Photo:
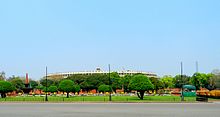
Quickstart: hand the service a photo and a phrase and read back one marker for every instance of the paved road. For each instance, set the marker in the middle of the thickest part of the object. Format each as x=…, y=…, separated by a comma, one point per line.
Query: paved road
x=109, y=110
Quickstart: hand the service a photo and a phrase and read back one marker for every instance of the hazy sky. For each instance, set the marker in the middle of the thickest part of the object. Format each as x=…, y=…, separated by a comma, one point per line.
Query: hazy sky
x=78, y=35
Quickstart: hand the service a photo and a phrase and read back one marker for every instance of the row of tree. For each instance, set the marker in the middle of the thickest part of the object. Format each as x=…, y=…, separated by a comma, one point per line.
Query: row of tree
x=199, y=80
x=100, y=82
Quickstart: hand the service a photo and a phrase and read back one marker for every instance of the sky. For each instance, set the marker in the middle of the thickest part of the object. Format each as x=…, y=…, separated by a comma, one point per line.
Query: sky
x=79, y=35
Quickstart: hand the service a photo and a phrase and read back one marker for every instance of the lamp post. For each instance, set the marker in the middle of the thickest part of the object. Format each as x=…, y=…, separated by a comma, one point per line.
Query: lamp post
x=110, y=92
x=46, y=98
x=181, y=76
x=197, y=67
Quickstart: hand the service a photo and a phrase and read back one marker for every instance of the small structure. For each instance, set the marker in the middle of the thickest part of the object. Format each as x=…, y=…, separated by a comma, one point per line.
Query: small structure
x=189, y=91
x=27, y=89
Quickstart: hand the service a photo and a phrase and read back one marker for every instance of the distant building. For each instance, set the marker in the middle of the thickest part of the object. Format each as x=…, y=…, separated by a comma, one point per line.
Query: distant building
x=99, y=71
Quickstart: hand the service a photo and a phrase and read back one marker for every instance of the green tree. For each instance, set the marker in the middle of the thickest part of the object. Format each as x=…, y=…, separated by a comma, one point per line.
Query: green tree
x=157, y=84
x=81, y=81
x=86, y=86
x=104, y=88
x=200, y=80
x=180, y=81
x=49, y=82
x=125, y=82
x=66, y=86
x=94, y=81
x=78, y=78
x=45, y=89
x=115, y=81
x=5, y=87
x=214, y=80
x=52, y=89
x=140, y=83
x=76, y=89
x=167, y=81
x=17, y=83
x=33, y=84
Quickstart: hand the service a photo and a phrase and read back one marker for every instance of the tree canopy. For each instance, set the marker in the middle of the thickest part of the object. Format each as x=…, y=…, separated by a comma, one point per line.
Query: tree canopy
x=33, y=84
x=49, y=82
x=167, y=81
x=17, y=83
x=116, y=82
x=66, y=86
x=140, y=83
x=199, y=80
x=5, y=87
x=179, y=80
x=104, y=88
x=52, y=89
x=125, y=82
x=215, y=79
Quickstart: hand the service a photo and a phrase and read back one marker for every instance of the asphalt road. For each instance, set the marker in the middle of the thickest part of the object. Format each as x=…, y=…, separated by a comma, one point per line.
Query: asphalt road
x=109, y=110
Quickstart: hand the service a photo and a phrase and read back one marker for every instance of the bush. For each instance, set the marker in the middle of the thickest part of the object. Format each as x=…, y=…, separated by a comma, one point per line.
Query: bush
x=104, y=88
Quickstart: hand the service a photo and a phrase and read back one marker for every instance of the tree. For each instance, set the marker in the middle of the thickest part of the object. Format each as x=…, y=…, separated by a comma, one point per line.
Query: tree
x=49, y=82
x=104, y=88
x=77, y=78
x=157, y=84
x=86, y=86
x=180, y=81
x=115, y=81
x=52, y=89
x=211, y=82
x=5, y=87
x=66, y=86
x=214, y=80
x=33, y=84
x=76, y=89
x=125, y=82
x=80, y=80
x=140, y=83
x=45, y=90
x=167, y=81
x=94, y=81
x=195, y=80
x=17, y=83
x=203, y=80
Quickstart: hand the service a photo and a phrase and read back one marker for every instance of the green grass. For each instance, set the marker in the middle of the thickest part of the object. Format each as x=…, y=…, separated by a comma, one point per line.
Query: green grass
x=99, y=99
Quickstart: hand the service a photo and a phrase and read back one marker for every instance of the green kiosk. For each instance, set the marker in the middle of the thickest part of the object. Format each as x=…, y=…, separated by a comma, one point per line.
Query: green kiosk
x=189, y=91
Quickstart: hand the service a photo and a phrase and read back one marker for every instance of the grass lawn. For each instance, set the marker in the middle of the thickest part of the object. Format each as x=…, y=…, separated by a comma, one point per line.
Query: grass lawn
x=100, y=99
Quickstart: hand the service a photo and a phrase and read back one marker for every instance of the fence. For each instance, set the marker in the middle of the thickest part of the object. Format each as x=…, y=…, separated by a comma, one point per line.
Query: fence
x=98, y=99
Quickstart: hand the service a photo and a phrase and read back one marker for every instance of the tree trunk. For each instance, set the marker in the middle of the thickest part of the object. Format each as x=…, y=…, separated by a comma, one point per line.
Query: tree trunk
x=141, y=95
x=138, y=95
x=114, y=90
x=3, y=95
x=67, y=94
x=87, y=90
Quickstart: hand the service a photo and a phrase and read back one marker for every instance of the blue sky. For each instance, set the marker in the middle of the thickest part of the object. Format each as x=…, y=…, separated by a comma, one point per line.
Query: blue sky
x=78, y=35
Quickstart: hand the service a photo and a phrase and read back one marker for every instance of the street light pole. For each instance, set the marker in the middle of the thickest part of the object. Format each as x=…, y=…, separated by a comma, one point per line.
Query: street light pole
x=46, y=98
x=197, y=67
x=110, y=92
x=181, y=76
